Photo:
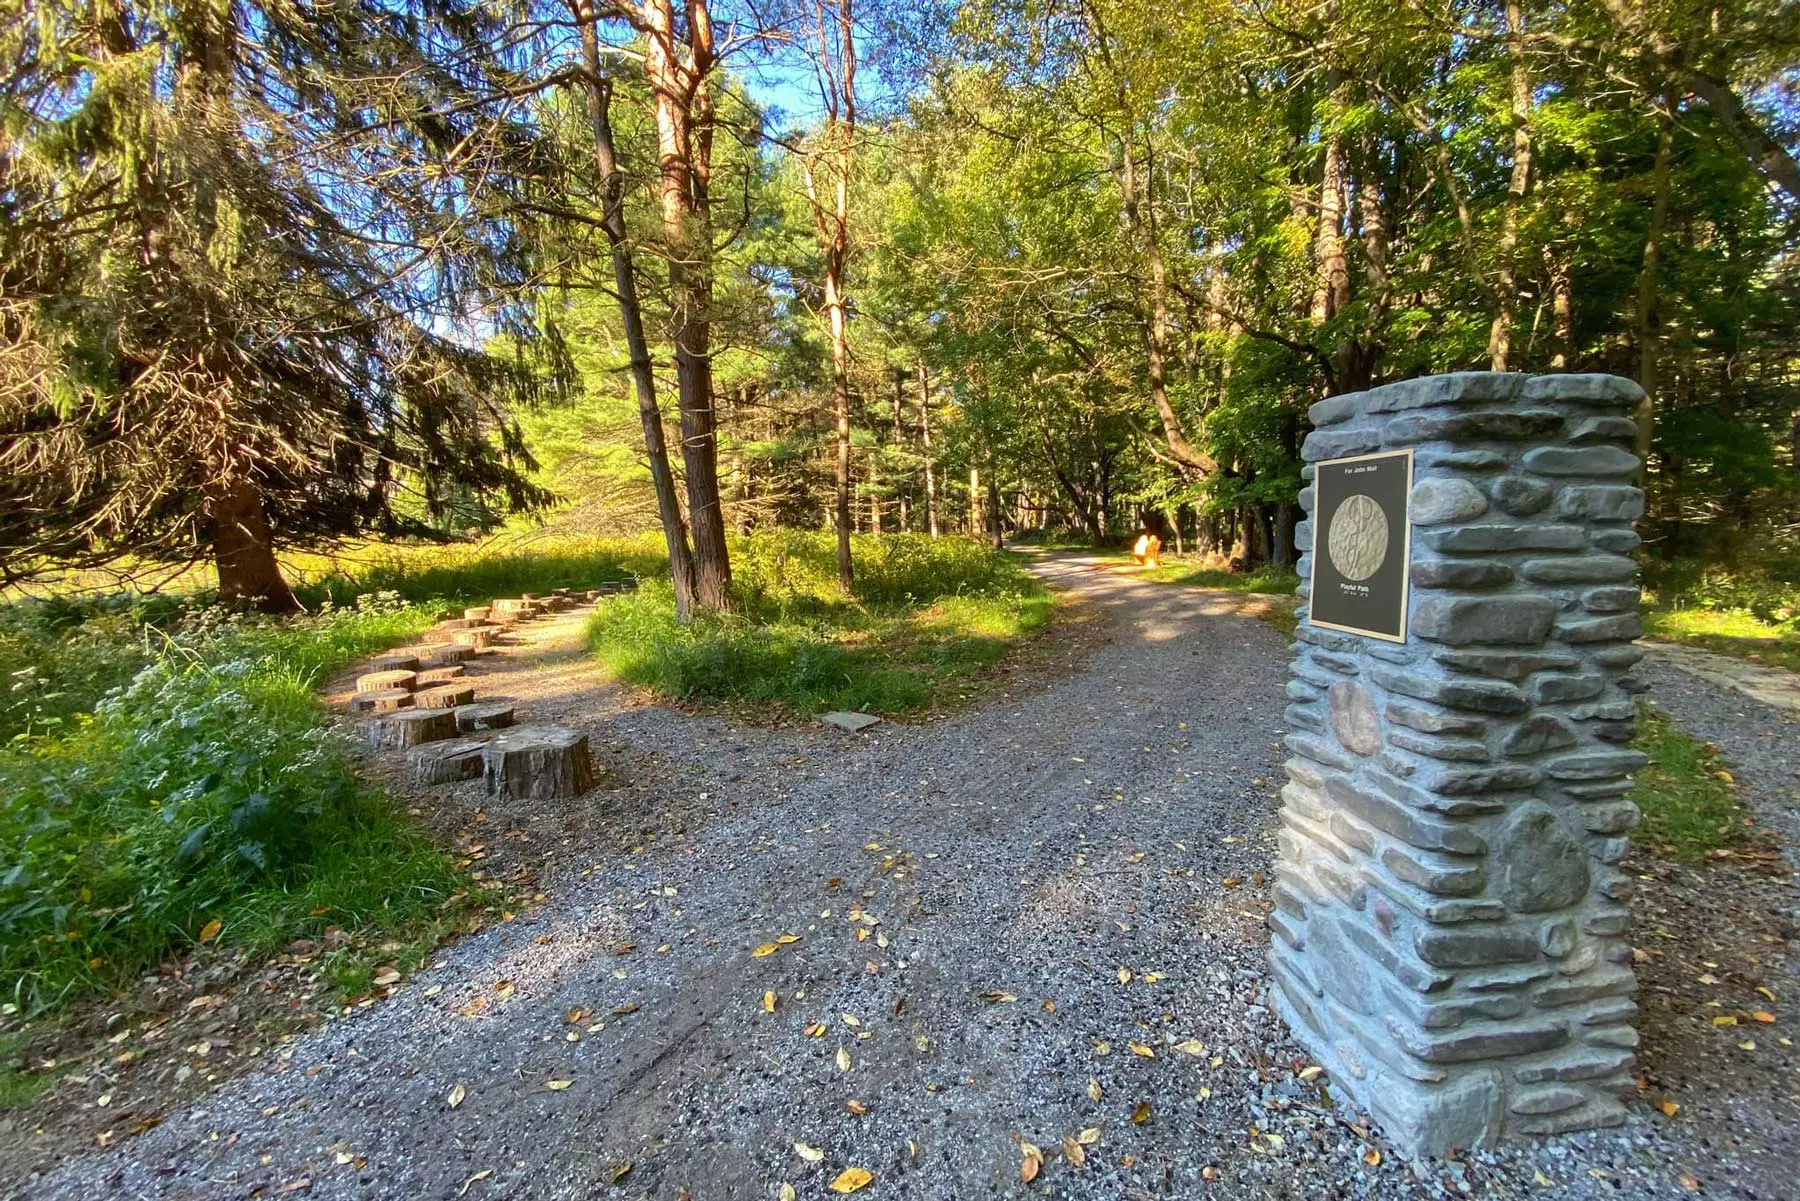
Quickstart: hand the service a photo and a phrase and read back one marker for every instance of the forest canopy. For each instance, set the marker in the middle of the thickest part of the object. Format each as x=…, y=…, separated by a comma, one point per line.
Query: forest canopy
x=277, y=276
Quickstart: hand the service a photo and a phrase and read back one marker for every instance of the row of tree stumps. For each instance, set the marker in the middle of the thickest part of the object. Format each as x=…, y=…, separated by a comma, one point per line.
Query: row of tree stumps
x=424, y=703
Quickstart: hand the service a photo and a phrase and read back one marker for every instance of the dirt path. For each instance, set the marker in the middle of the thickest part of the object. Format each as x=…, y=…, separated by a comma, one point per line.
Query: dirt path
x=977, y=923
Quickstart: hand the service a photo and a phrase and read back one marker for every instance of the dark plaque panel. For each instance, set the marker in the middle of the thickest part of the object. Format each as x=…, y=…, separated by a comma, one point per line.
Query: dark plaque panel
x=1362, y=544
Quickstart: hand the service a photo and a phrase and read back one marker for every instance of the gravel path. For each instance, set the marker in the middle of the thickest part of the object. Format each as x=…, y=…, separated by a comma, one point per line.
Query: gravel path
x=1025, y=922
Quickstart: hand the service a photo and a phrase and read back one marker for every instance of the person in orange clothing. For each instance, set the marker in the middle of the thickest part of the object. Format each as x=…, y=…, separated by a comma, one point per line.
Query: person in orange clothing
x=1147, y=550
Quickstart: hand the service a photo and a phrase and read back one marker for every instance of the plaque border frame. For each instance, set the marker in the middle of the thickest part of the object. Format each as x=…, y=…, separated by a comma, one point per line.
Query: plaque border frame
x=1406, y=545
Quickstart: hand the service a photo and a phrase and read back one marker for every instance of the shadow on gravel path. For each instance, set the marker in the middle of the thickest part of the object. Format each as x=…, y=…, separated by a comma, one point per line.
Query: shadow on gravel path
x=1025, y=922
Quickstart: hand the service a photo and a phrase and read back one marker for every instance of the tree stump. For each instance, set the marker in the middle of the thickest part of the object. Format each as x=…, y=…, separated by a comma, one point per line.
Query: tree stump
x=394, y=663
x=389, y=700
x=446, y=762
x=450, y=656
x=478, y=614
x=430, y=677
x=475, y=640
x=593, y=594
x=514, y=610
x=491, y=716
x=444, y=696
x=412, y=728
x=560, y=591
x=385, y=681
x=538, y=763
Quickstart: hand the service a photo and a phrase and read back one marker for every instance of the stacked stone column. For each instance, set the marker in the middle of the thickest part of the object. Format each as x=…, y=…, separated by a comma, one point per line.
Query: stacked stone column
x=1448, y=931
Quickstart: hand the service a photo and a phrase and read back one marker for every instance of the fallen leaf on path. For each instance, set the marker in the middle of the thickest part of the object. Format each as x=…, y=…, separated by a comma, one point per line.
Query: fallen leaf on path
x=1093, y=1089
x=456, y=1096
x=1089, y=1137
x=556, y=1086
x=210, y=930
x=843, y=1060
x=1141, y=1114
x=769, y=1001
x=1074, y=1152
x=1689, y=1181
x=1762, y=1015
x=997, y=997
x=787, y=1192
x=1311, y=1073
x=766, y=949
x=856, y=1107
x=1372, y=1157
x=785, y=939
x=809, y=1153
x=851, y=1179
x=1140, y=1049
x=620, y=1172
x=481, y=1175
x=1032, y=1163
x=1191, y=1046
x=815, y=1030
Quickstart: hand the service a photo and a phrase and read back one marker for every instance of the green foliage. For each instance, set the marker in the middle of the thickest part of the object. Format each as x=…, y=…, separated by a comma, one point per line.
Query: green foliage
x=1265, y=581
x=1689, y=810
x=1750, y=610
x=469, y=573
x=927, y=615
x=204, y=787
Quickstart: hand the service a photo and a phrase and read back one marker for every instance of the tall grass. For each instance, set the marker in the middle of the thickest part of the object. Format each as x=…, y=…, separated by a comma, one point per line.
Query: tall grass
x=926, y=615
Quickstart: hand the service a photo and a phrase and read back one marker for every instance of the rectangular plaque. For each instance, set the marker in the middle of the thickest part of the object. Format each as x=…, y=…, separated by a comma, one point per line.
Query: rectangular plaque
x=1362, y=544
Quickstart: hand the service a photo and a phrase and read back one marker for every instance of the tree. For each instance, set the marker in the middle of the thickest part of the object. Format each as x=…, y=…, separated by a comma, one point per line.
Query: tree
x=246, y=291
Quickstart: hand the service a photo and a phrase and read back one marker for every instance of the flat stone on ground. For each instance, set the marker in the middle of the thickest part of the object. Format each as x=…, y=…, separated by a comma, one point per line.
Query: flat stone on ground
x=854, y=723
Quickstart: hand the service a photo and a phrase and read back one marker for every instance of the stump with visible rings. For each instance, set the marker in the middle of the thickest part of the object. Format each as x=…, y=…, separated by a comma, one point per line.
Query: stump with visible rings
x=491, y=716
x=444, y=696
x=475, y=640
x=412, y=727
x=389, y=700
x=514, y=610
x=446, y=762
x=478, y=613
x=394, y=663
x=539, y=763
x=430, y=677
x=385, y=681
x=448, y=656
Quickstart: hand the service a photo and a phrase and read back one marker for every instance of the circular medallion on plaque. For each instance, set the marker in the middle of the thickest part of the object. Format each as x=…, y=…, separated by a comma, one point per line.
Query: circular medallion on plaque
x=1358, y=542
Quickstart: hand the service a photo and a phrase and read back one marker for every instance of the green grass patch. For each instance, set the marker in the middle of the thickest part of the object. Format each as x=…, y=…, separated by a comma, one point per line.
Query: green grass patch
x=1689, y=809
x=1264, y=581
x=202, y=785
x=1734, y=632
x=927, y=615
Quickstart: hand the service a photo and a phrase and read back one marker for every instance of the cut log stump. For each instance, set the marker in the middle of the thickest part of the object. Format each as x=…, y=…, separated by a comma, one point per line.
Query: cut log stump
x=385, y=681
x=444, y=696
x=491, y=716
x=389, y=700
x=475, y=640
x=478, y=613
x=449, y=656
x=539, y=763
x=413, y=727
x=593, y=594
x=514, y=610
x=394, y=663
x=446, y=762
x=431, y=677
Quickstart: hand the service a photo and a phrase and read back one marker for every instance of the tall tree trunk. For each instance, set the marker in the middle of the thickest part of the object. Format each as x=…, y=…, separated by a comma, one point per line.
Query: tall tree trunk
x=243, y=547
x=631, y=315
x=996, y=514
x=1506, y=286
x=1648, y=309
x=931, y=497
x=1562, y=305
x=1331, y=291
x=684, y=118
x=977, y=522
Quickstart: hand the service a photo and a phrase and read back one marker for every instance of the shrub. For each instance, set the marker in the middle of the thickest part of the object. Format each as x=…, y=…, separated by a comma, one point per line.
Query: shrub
x=206, y=787
x=926, y=612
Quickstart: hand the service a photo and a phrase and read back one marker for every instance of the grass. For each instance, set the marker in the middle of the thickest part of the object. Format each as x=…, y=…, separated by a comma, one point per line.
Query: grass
x=1685, y=793
x=202, y=800
x=928, y=615
x=1734, y=632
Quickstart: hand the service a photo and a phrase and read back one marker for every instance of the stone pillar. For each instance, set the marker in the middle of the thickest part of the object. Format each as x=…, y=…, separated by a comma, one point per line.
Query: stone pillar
x=1449, y=921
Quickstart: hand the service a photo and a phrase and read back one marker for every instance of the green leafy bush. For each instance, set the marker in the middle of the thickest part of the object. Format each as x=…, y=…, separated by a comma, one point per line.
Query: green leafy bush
x=926, y=613
x=204, y=787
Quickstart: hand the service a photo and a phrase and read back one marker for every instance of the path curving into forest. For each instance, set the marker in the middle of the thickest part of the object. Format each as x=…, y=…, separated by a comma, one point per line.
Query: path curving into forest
x=1044, y=916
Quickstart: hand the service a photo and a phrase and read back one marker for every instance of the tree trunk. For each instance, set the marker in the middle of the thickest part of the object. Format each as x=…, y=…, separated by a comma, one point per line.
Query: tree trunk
x=931, y=498
x=996, y=515
x=976, y=521
x=631, y=315
x=1506, y=286
x=1648, y=310
x=243, y=549
x=1331, y=291
x=684, y=119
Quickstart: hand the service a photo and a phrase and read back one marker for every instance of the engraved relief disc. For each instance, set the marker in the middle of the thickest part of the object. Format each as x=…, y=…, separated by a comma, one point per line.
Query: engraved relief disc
x=1358, y=542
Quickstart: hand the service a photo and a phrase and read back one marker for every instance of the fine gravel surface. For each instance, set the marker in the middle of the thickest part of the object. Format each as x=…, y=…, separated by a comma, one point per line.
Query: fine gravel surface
x=909, y=952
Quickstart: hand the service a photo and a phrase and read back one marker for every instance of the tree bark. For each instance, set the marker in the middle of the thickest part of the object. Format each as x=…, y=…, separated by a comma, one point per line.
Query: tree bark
x=1506, y=287
x=684, y=116
x=1331, y=292
x=1648, y=309
x=931, y=497
x=243, y=548
x=631, y=315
